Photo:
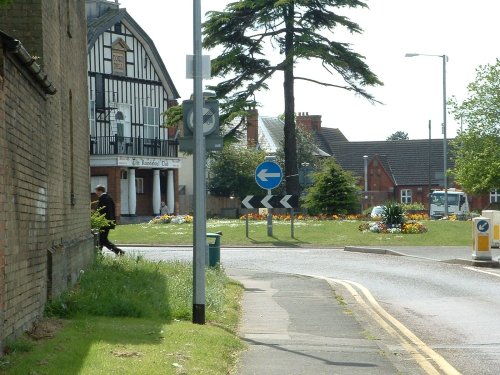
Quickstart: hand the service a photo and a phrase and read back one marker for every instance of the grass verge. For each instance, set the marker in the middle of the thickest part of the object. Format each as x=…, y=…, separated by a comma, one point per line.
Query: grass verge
x=129, y=316
x=307, y=233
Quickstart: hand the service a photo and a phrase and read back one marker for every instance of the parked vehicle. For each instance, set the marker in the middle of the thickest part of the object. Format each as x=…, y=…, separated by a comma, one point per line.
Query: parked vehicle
x=377, y=211
x=458, y=204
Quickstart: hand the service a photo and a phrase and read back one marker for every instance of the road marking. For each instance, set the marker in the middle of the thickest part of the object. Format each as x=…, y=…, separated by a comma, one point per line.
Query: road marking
x=481, y=271
x=419, y=351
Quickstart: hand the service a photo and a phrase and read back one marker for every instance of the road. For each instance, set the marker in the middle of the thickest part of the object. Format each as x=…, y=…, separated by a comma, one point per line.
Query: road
x=454, y=309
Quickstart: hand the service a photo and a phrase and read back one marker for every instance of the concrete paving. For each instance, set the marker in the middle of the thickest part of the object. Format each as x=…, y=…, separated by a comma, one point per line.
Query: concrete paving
x=447, y=254
x=294, y=325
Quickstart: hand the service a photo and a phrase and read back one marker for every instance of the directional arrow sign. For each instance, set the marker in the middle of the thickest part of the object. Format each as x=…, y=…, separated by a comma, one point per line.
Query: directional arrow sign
x=245, y=203
x=268, y=175
x=265, y=201
x=483, y=226
x=284, y=201
x=270, y=201
x=265, y=176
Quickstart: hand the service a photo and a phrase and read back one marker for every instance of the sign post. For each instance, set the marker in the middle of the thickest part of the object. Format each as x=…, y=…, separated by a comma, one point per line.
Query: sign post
x=268, y=175
x=199, y=175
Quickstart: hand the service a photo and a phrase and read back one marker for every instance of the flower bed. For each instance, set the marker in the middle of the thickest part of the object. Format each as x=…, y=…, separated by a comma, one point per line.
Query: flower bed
x=172, y=219
x=409, y=227
x=257, y=217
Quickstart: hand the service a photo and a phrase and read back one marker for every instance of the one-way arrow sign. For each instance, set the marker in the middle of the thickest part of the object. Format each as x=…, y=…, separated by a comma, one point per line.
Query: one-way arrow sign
x=270, y=201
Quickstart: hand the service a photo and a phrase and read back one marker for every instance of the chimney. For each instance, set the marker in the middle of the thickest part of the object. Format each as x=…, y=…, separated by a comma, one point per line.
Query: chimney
x=252, y=128
x=311, y=123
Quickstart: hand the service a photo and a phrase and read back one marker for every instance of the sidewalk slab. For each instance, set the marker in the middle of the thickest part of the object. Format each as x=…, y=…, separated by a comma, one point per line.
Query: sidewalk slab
x=446, y=254
x=294, y=325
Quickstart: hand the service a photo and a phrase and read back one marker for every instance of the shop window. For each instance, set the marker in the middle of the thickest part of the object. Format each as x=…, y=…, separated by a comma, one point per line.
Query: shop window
x=406, y=196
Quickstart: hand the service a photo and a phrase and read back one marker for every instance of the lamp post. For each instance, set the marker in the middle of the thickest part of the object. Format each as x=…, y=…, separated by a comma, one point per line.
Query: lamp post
x=445, y=145
x=365, y=165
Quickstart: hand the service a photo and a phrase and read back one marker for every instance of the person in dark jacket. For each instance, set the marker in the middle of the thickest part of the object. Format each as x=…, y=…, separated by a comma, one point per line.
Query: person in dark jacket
x=106, y=206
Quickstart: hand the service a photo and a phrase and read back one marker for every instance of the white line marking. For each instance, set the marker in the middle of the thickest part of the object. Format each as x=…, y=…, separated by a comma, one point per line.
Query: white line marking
x=481, y=271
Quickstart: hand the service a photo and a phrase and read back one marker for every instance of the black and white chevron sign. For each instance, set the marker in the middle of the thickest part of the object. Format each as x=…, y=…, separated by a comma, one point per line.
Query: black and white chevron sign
x=270, y=201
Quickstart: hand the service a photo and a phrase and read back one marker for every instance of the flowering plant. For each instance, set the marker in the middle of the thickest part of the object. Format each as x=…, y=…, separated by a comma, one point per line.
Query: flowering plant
x=167, y=219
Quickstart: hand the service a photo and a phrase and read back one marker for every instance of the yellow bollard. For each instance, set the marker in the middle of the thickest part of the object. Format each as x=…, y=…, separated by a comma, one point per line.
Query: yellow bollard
x=481, y=233
x=495, y=222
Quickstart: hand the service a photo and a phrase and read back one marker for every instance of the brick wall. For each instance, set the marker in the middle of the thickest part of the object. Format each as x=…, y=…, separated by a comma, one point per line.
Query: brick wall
x=44, y=166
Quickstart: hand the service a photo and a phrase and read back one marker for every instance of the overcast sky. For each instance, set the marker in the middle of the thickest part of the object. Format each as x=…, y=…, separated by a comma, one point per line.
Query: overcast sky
x=466, y=31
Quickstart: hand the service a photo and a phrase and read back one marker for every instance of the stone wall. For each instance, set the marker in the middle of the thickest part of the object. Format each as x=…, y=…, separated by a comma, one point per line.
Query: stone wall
x=45, y=235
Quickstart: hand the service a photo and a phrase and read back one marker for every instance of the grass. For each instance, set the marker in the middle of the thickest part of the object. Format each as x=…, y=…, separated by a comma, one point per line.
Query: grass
x=307, y=233
x=128, y=316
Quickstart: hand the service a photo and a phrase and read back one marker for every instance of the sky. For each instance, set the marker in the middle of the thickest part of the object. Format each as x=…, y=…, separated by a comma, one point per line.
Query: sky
x=467, y=32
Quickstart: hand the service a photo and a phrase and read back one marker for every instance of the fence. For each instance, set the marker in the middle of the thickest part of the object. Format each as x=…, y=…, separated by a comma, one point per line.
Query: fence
x=216, y=206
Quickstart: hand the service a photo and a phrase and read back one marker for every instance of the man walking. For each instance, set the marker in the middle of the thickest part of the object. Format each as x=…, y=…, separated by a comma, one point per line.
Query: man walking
x=106, y=206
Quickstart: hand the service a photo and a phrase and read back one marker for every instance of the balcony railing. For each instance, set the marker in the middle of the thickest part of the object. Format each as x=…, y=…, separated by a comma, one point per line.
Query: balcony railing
x=118, y=145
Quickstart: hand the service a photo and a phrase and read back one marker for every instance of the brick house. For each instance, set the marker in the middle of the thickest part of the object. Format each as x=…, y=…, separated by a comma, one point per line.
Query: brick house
x=129, y=89
x=403, y=171
x=45, y=237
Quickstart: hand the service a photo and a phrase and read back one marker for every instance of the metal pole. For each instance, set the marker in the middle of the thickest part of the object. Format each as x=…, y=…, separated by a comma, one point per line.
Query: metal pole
x=200, y=230
x=292, y=228
x=269, y=219
x=429, y=171
x=445, y=146
x=246, y=225
x=365, y=197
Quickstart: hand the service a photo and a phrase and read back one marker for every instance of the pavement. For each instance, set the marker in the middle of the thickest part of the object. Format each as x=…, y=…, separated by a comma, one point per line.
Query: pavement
x=446, y=254
x=295, y=325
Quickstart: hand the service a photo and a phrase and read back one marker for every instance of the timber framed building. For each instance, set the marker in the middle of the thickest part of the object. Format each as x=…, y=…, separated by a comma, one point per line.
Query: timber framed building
x=131, y=153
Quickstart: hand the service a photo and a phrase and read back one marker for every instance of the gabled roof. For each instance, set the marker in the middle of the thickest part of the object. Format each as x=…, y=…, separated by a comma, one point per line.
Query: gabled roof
x=329, y=135
x=407, y=161
x=271, y=134
x=99, y=25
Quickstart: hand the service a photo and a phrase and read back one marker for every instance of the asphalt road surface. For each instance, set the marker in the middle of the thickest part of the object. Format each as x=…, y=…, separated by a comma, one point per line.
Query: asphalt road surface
x=454, y=309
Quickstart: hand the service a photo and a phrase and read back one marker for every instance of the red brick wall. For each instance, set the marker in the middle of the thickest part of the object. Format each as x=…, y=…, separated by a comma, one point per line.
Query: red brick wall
x=44, y=212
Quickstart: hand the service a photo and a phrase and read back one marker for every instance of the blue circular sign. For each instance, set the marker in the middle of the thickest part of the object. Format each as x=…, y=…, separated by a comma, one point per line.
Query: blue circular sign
x=268, y=175
x=482, y=226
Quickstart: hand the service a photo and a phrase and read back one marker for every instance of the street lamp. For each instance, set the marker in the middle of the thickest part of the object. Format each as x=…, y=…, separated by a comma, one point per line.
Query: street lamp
x=445, y=146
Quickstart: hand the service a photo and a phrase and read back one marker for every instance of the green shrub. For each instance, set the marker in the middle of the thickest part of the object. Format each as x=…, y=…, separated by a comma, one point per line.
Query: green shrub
x=393, y=214
x=413, y=207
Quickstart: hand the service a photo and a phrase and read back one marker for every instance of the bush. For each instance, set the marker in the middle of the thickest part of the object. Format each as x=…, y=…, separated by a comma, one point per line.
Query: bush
x=413, y=207
x=393, y=214
x=334, y=191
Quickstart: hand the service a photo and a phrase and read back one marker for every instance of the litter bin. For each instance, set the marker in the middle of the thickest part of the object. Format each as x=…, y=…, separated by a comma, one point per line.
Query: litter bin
x=214, y=249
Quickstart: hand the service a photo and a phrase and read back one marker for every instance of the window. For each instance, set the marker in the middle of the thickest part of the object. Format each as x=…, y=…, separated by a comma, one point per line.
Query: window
x=98, y=180
x=151, y=122
x=406, y=196
x=93, y=129
x=119, y=118
x=139, y=185
x=495, y=196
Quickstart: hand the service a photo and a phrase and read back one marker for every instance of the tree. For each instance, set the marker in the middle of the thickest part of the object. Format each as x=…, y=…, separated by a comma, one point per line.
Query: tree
x=334, y=190
x=232, y=171
x=307, y=149
x=300, y=30
x=398, y=136
x=476, y=150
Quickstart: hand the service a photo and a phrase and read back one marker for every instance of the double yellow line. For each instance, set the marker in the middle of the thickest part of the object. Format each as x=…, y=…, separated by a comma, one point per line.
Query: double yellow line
x=430, y=361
